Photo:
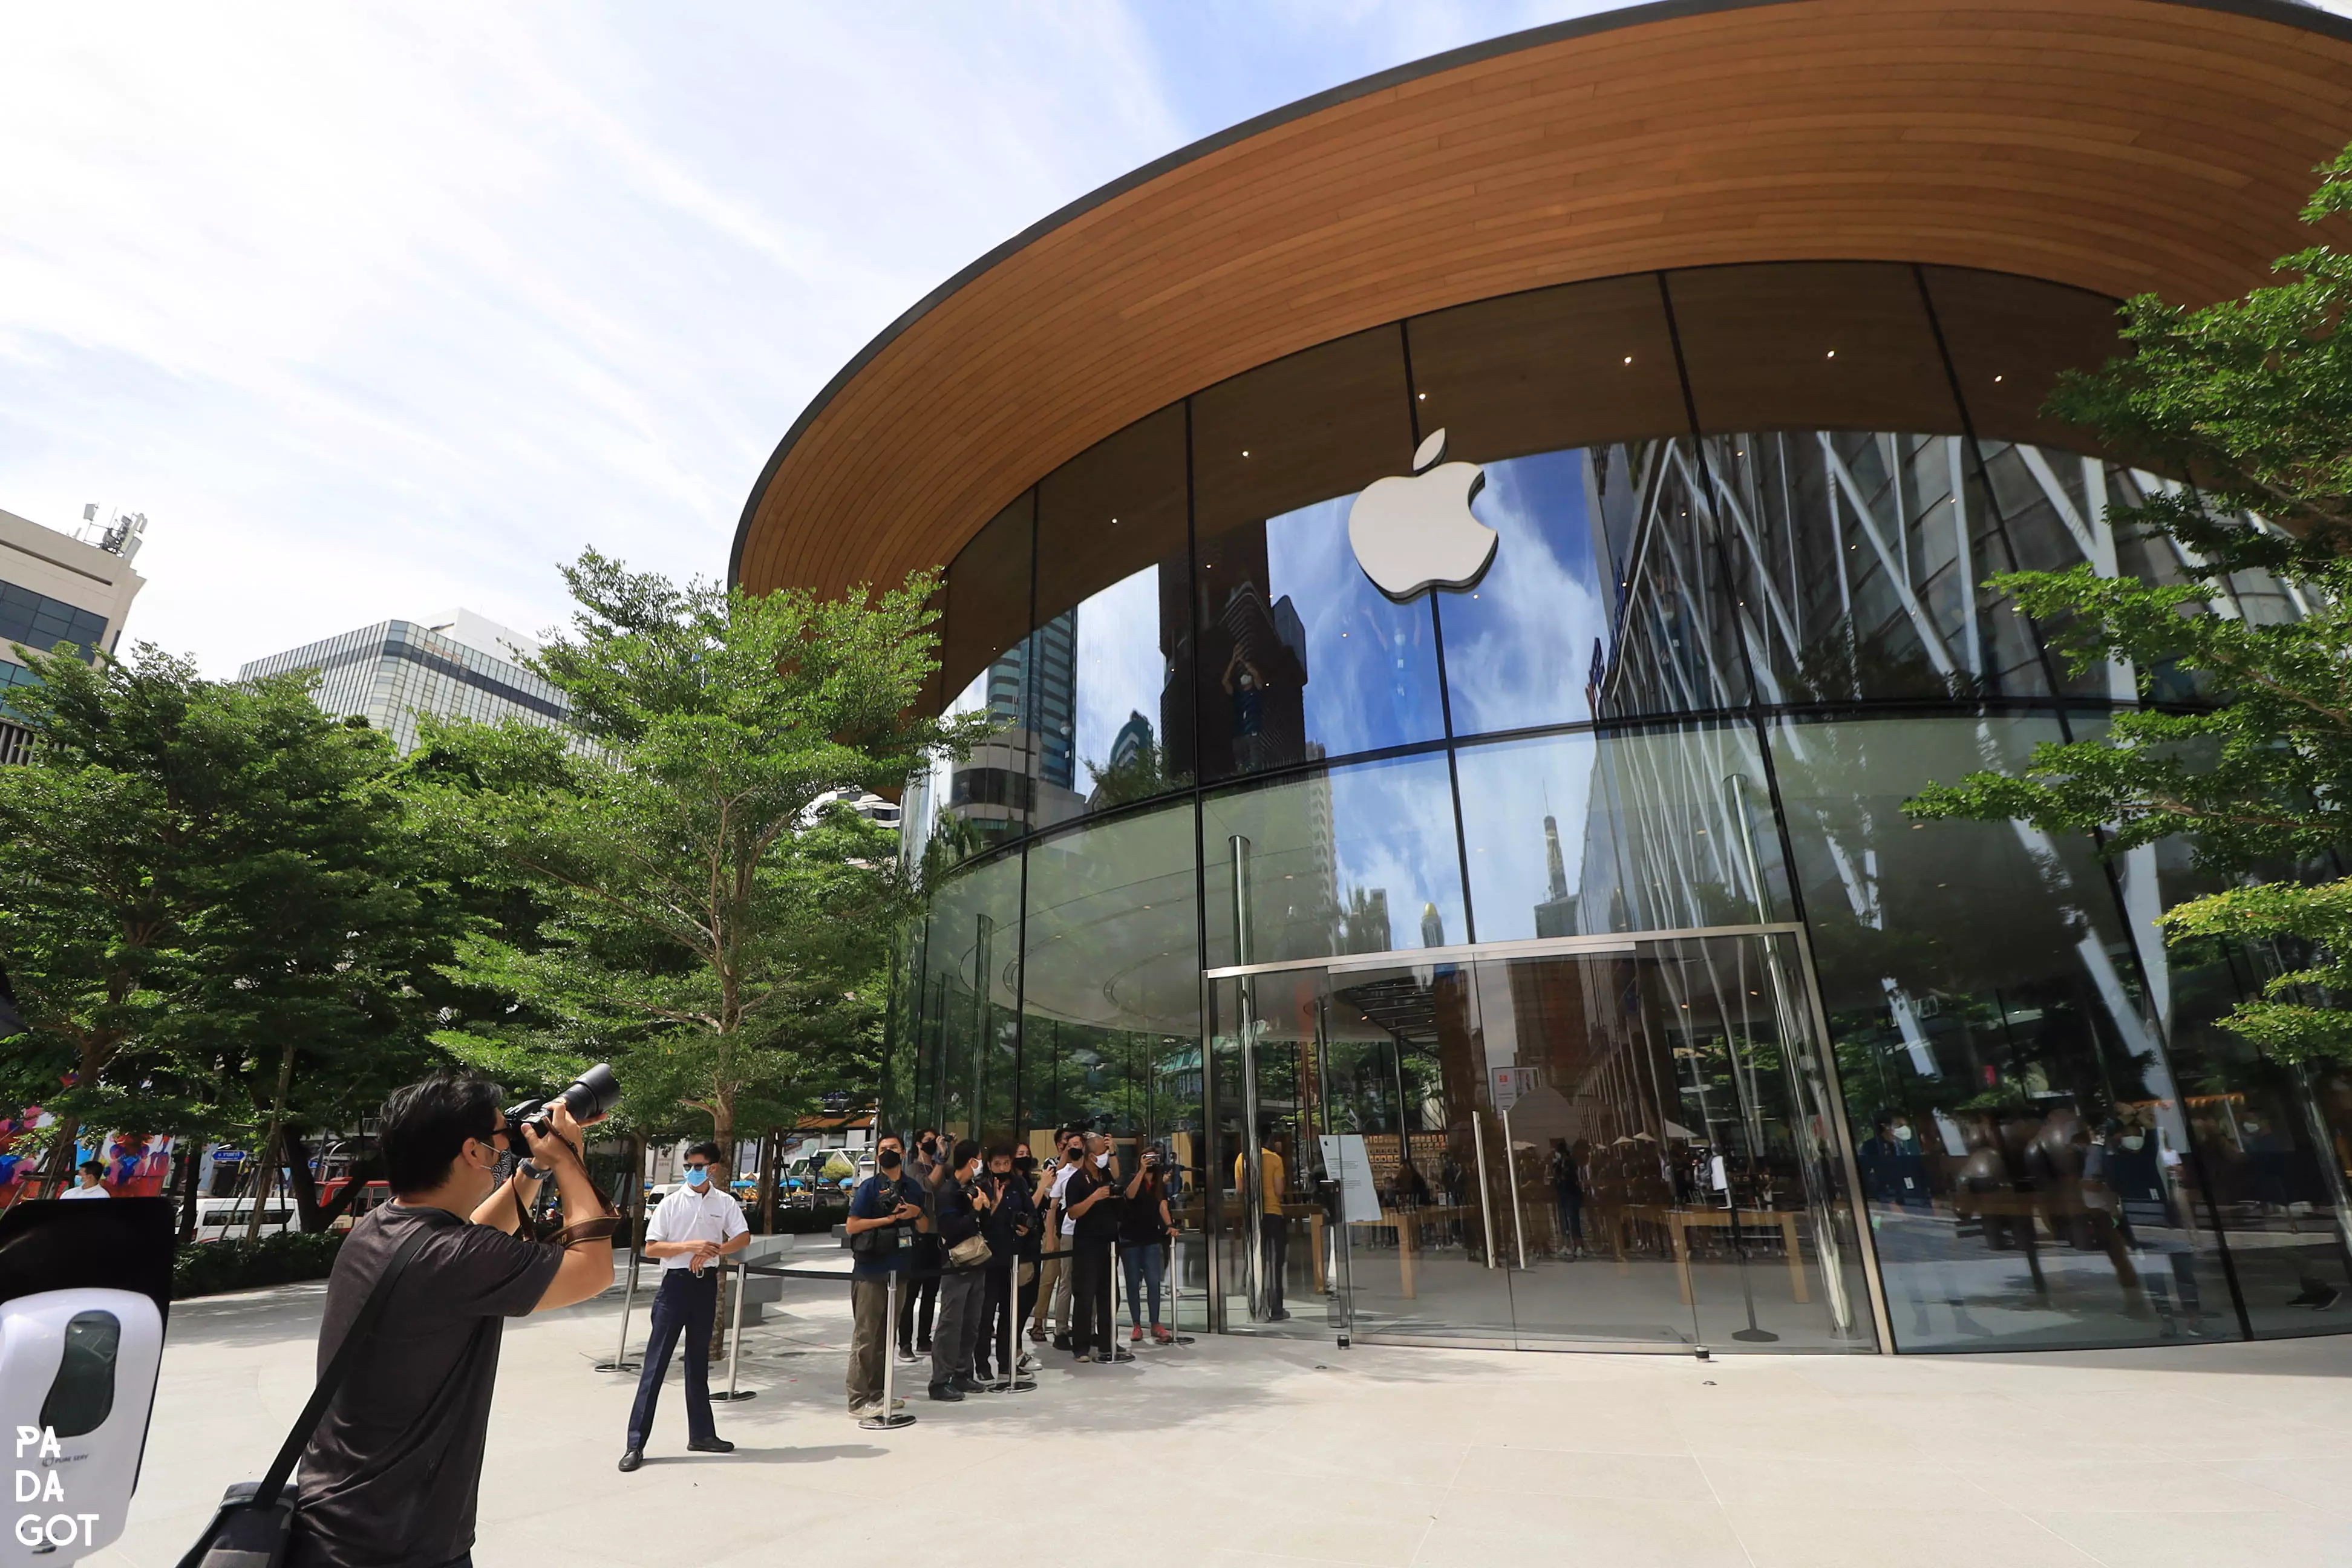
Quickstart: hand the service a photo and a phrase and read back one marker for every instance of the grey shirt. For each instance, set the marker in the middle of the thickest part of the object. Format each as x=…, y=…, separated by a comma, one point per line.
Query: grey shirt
x=390, y=1477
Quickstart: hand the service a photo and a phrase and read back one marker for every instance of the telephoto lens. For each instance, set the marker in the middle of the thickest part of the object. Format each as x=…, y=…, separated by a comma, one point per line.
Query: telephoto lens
x=593, y=1094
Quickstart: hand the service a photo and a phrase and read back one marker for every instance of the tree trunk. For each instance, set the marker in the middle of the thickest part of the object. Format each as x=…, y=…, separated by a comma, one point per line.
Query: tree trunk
x=189, y=1176
x=768, y=1143
x=722, y=1122
x=266, y=1172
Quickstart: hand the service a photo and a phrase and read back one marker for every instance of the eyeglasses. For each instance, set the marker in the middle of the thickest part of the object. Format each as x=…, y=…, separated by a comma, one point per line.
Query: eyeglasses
x=703, y=1166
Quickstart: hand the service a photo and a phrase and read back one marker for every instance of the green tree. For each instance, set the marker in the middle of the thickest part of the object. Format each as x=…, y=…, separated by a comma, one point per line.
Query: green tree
x=702, y=920
x=201, y=906
x=2245, y=743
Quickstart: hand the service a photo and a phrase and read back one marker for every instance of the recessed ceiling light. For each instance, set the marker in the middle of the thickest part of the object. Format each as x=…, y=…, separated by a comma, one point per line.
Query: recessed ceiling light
x=1423, y=396
x=1832, y=354
x=1996, y=378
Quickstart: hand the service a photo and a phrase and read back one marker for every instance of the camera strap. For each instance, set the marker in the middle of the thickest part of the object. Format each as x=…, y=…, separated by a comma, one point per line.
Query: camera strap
x=266, y=1494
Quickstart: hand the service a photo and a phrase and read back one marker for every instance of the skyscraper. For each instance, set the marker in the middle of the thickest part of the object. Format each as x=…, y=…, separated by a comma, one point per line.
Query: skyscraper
x=460, y=665
x=1556, y=916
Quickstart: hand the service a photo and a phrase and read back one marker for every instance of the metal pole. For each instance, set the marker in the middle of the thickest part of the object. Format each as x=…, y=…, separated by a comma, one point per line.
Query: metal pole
x=890, y=1415
x=621, y=1361
x=1511, y=1174
x=735, y=1338
x=1485, y=1199
x=1253, y=1182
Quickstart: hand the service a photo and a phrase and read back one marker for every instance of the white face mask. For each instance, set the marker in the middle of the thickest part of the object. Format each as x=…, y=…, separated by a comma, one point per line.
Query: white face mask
x=1102, y=1161
x=2133, y=1140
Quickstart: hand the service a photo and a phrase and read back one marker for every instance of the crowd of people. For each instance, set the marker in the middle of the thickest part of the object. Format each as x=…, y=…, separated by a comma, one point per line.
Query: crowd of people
x=989, y=1246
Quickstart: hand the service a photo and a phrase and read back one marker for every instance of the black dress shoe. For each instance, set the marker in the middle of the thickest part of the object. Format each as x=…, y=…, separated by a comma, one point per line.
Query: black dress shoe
x=632, y=1459
x=947, y=1393
x=712, y=1445
x=969, y=1385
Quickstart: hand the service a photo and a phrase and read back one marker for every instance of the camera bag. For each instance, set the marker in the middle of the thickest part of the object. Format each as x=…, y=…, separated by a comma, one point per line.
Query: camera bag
x=254, y=1521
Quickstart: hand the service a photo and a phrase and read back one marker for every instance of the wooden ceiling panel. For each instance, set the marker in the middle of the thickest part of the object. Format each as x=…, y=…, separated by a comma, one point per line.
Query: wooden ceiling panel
x=2110, y=145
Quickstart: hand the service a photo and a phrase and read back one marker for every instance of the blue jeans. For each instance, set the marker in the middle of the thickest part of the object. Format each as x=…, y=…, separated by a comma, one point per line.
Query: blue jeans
x=1145, y=1268
x=684, y=1301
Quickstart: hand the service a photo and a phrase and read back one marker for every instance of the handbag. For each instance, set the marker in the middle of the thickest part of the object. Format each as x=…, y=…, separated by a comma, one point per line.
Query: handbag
x=254, y=1521
x=970, y=1253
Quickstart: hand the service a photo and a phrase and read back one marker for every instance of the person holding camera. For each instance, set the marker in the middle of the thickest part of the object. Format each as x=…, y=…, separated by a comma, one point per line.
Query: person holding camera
x=697, y=1225
x=1011, y=1228
x=960, y=1207
x=885, y=1210
x=1090, y=1199
x=919, y=1294
x=391, y=1475
x=1144, y=1228
x=1054, y=1270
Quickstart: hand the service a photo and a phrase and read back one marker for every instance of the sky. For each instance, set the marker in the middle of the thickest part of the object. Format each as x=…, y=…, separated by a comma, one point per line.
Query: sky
x=375, y=311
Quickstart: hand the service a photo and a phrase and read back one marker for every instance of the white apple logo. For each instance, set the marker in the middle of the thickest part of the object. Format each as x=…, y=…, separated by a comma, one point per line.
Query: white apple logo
x=1415, y=532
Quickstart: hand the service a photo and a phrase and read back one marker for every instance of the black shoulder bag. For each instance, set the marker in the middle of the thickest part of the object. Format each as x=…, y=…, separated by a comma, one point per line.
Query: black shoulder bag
x=256, y=1519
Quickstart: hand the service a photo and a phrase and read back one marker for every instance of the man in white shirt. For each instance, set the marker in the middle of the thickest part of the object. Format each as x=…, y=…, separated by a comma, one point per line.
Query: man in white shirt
x=695, y=1225
x=89, y=1181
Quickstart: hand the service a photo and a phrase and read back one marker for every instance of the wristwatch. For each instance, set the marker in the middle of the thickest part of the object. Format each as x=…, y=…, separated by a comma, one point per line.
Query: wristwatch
x=532, y=1170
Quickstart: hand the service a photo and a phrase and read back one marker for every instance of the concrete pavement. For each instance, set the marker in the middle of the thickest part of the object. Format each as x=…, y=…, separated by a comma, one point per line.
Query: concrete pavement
x=1246, y=1454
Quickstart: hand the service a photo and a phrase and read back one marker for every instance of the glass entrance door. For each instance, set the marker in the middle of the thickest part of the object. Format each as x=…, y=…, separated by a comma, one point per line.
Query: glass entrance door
x=1627, y=1141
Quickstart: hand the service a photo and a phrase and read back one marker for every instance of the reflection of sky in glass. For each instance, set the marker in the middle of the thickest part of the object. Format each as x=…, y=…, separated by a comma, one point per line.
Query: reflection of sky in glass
x=1506, y=792
x=1120, y=667
x=1372, y=669
x=1387, y=825
x=1519, y=648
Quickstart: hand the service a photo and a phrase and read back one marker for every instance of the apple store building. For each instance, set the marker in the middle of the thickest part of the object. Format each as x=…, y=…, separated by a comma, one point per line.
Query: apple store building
x=1467, y=571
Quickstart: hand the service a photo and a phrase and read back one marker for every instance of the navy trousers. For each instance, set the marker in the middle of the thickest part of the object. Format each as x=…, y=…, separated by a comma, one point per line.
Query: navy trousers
x=688, y=1302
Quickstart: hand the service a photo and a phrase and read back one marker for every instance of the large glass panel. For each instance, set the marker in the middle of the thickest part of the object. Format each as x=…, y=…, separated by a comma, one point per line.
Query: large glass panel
x=1116, y=721
x=1300, y=656
x=1862, y=556
x=1669, y=1142
x=1111, y=1012
x=2002, y=1073
x=1579, y=834
x=972, y=968
x=2271, y=1142
x=2009, y=337
x=1355, y=859
x=1366, y=1091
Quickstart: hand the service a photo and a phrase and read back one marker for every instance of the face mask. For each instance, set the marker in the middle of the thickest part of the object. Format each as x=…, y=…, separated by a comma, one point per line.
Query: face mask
x=2133, y=1140
x=890, y=1160
x=698, y=1177
x=1102, y=1159
x=1024, y=1165
x=1903, y=1135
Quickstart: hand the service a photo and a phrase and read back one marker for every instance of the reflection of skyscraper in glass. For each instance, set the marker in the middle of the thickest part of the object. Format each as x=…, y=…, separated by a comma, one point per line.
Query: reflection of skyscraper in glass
x=1432, y=927
x=1133, y=740
x=1035, y=686
x=1556, y=916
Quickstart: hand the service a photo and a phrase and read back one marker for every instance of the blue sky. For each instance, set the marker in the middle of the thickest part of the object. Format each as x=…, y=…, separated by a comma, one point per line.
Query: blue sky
x=377, y=310
x=374, y=310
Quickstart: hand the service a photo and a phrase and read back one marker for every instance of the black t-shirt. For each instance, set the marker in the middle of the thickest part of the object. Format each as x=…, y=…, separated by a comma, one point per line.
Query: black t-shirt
x=1099, y=1224
x=1139, y=1216
x=390, y=1477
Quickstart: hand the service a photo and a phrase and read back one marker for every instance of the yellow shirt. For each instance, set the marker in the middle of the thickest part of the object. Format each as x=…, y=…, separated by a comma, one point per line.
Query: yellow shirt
x=1270, y=1177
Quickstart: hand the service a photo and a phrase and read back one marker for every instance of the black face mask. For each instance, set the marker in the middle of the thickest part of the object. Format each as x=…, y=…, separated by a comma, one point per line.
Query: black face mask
x=888, y=1160
x=1024, y=1165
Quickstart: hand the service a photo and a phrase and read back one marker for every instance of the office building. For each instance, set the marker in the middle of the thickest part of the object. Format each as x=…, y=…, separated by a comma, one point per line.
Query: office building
x=56, y=588
x=459, y=665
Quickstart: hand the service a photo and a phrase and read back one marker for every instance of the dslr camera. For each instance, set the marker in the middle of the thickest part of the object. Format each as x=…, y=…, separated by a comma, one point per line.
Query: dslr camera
x=590, y=1096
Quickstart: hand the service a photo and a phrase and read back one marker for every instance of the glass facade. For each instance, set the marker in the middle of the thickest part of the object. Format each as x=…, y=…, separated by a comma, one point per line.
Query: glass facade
x=1549, y=960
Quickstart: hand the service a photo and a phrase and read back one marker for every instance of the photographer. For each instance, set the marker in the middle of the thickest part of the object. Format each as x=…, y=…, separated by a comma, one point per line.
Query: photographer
x=887, y=1207
x=696, y=1225
x=390, y=1477
x=962, y=1208
x=1012, y=1231
x=921, y=1293
x=1089, y=1197
x=1144, y=1228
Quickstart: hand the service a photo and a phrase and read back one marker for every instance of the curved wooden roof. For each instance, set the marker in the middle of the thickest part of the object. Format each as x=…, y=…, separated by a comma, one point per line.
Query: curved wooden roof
x=2117, y=145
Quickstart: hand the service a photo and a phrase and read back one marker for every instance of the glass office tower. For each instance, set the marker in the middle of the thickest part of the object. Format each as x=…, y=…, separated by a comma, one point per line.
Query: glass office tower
x=1550, y=960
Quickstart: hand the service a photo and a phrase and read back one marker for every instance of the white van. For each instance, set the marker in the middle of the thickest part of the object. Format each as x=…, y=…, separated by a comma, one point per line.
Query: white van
x=219, y=1218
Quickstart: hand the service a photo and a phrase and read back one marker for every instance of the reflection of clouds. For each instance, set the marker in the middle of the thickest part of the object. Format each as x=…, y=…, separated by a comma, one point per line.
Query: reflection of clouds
x=1505, y=792
x=1372, y=669
x=1120, y=666
x=1393, y=825
x=1518, y=649
x=1112, y=940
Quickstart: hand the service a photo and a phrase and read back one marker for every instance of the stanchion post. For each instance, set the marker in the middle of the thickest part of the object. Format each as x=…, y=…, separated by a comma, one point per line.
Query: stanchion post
x=1012, y=1382
x=735, y=1340
x=890, y=1415
x=621, y=1361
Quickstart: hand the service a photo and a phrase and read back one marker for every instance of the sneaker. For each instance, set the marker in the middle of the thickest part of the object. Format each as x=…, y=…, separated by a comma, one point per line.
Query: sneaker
x=1135, y=1335
x=906, y=1355
x=1162, y=1335
x=1030, y=1363
x=1083, y=1358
